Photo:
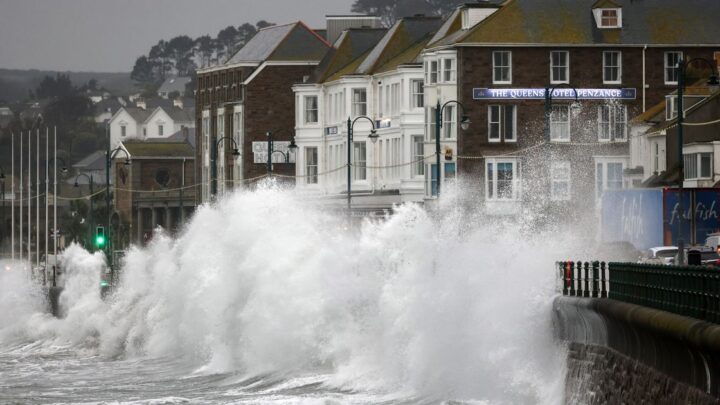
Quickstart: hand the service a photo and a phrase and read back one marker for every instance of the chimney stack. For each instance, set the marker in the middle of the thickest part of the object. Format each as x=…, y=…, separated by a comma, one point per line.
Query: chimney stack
x=140, y=103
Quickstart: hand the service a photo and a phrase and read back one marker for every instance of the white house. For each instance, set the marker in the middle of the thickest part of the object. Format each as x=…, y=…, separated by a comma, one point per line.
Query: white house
x=374, y=78
x=139, y=123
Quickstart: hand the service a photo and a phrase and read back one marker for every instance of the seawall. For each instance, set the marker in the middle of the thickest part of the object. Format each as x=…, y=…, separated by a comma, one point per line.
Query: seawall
x=625, y=353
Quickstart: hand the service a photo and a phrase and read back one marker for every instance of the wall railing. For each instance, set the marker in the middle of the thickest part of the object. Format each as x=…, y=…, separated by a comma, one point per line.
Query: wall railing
x=692, y=291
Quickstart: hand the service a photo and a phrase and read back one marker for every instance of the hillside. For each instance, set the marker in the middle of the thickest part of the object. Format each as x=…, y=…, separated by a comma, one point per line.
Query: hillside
x=15, y=84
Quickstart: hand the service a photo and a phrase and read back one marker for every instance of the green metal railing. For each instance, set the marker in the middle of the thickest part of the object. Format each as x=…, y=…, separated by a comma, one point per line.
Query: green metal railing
x=692, y=291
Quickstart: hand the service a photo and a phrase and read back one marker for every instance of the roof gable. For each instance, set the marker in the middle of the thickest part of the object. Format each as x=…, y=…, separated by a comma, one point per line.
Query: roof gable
x=289, y=42
x=401, y=36
x=351, y=44
x=605, y=4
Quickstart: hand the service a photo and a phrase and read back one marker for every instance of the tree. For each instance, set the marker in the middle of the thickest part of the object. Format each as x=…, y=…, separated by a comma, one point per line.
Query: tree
x=60, y=86
x=143, y=70
x=391, y=10
x=263, y=24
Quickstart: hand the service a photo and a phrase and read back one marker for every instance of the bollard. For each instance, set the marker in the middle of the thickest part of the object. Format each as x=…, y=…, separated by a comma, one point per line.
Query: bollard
x=566, y=274
x=603, y=280
x=586, y=290
x=595, y=278
x=571, y=267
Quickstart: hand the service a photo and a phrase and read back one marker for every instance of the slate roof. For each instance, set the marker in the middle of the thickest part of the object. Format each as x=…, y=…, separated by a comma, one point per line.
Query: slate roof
x=172, y=84
x=452, y=24
x=401, y=44
x=181, y=114
x=350, y=45
x=138, y=114
x=665, y=22
x=401, y=36
x=289, y=42
x=94, y=161
x=148, y=149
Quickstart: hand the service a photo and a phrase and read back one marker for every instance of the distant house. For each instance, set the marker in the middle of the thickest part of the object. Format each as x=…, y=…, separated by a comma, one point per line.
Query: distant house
x=105, y=109
x=6, y=116
x=173, y=84
x=150, y=119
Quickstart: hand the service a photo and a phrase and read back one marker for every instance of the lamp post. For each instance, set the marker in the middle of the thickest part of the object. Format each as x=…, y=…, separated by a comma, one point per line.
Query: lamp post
x=90, y=212
x=373, y=136
x=235, y=152
x=271, y=150
x=464, y=124
x=109, y=156
x=2, y=190
x=712, y=81
x=548, y=105
x=55, y=230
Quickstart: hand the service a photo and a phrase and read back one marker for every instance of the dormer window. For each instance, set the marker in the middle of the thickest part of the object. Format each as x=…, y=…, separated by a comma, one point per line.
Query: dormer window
x=609, y=18
x=607, y=14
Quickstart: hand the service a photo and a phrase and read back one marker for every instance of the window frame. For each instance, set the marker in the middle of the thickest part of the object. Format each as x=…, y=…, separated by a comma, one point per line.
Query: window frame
x=603, y=18
x=491, y=179
x=359, y=171
x=359, y=105
x=418, y=170
x=553, y=80
x=311, y=168
x=697, y=166
x=502, y=123
x=495, y=67
x=414, y=94
x=554, y=138
x=555, y=166
x=667, y=69
x=601, y=185
x=618, y=66
x=610, y=126
x=307, y=110
x=434, y=71
x=449, y=75
x=449, y=126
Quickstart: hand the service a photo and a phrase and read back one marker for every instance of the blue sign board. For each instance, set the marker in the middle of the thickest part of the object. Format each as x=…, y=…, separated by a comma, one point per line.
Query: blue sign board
x=634, y=216
x=699, y=218
x=557, y=94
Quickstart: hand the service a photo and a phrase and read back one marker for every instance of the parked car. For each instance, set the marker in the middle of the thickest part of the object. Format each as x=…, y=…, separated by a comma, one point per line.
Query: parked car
x=659, y=255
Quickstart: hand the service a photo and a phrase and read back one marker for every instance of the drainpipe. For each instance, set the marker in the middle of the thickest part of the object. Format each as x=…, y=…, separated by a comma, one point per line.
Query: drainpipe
x=643, y=77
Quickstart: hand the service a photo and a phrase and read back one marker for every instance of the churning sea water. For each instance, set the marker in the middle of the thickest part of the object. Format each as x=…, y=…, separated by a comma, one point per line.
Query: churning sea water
x=265, y=298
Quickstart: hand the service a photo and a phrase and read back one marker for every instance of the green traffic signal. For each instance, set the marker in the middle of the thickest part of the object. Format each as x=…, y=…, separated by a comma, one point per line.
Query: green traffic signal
x=100, y=237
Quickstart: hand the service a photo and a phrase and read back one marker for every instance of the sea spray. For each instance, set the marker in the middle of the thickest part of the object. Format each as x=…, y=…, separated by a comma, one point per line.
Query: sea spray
x=265, y=283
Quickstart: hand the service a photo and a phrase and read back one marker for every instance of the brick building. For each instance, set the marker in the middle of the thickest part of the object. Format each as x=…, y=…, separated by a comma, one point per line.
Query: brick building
x=246, y=97
x=619, y=57
x=155, y=189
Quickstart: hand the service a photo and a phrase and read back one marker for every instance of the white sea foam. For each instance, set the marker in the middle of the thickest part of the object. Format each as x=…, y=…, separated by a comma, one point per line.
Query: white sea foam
x=265, y=283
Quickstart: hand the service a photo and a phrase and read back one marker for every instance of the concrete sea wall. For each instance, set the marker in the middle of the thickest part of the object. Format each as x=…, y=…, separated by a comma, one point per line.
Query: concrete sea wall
x=624, y=353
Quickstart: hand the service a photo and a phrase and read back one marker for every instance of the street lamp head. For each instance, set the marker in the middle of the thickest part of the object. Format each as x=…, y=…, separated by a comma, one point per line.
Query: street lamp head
x=292, y=145
x=76, y=185
x=373, y=136
x=465, y=122
x=64, y=169
x=235, y=152
x=128, y=162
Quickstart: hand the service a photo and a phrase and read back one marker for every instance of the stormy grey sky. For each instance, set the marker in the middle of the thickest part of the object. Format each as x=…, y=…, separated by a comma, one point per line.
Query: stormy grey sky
x=108, y=35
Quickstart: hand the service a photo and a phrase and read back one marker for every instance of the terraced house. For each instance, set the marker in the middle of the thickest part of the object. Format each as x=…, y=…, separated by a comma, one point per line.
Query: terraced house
x=373, y=78
x=549, y=87
x=239, y=101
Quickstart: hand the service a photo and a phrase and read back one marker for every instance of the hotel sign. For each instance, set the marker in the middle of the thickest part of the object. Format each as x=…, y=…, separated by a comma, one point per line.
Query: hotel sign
x=557, y=94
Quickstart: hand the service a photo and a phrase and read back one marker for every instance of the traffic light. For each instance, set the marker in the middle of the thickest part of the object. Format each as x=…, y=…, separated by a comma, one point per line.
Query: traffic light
x=100, y=237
